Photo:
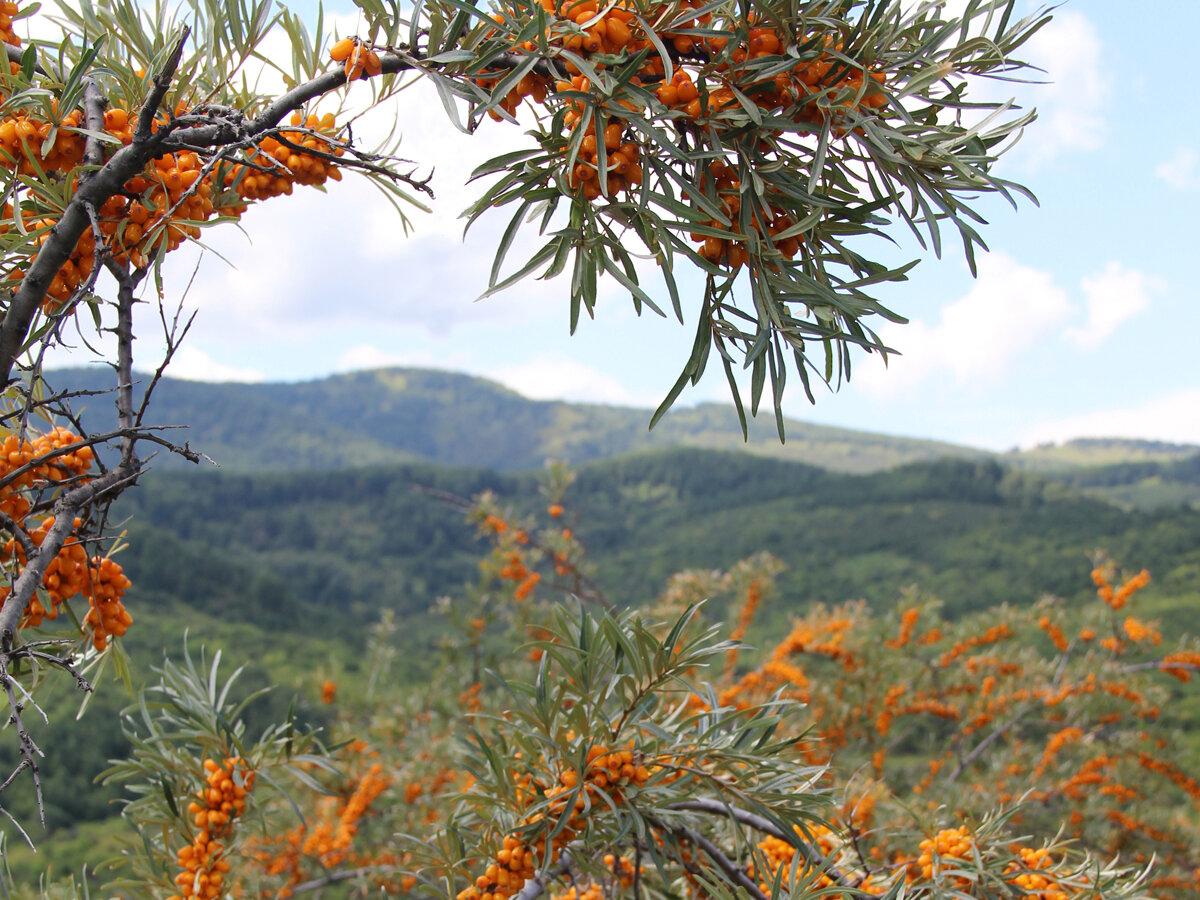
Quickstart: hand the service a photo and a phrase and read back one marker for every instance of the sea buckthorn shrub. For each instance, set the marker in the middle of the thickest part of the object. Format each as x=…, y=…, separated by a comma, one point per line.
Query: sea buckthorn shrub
x=613, y=753
x=194, y=780
x=1049, y=711
x=757, y=143
x=112, y=154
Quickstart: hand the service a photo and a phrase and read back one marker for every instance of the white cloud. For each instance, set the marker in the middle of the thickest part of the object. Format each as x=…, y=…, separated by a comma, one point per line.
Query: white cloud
x=1169, y=417
x=1010, y=308
x=1071, y=104
x=557, y=377
x=1180, y=170
x=309, y=267
x=193, y=364
x=369, y=356
x=1112, y=297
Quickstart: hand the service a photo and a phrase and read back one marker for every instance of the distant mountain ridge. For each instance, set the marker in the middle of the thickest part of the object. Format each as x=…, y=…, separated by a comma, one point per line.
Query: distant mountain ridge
x=384, y=416
x=404, y=415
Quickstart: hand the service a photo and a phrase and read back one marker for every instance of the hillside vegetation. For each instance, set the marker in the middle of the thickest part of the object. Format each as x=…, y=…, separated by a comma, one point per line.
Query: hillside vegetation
x=352, y=542
x=396, y=416
x=406, y=415
x=287, y=566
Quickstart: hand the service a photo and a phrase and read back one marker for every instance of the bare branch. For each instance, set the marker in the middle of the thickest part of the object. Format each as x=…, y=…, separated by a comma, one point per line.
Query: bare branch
x=159, y=85
x=766, y=826
x=20, y=534
x=728, y=867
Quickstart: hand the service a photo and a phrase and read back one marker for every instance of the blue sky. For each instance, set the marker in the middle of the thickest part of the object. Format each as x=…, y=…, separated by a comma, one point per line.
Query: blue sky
x=1083, y=321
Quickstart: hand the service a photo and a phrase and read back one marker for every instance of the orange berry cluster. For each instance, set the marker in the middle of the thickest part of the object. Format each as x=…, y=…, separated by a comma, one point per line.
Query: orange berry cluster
x=612, y=772
x=70, y=573
x=1035, y=883
x=515, y=570
x=623, y=156
x=724, y=251
x=1139, y=631
x=1180, y=664
x=277, y=164
x=949, y=844
x=165, y=204
x=531, y=85
x=816, y=89
x=8, y=9
x=908, y=622
x=16, y=453
x=23, y=138
x=104, y=590
x=328, y=839
x=515, y=864
x=778, y=855
x=360, y=61
x=202, y=863
x=1117, y=598
x=1054, y=633
x=224, y=798
x=66, y=575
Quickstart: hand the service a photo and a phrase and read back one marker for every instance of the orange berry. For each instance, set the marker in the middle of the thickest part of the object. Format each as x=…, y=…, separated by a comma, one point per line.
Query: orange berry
x=340, y=52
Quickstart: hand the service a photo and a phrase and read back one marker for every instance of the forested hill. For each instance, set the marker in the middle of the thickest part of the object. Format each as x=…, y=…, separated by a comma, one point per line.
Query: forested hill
x=333, y=548
x=396, y=416
x=407, y=415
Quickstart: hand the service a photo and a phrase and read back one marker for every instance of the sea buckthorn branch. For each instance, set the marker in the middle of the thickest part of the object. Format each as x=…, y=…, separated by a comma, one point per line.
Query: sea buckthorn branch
x=761, y=823
x=789, y=231
x=731, y=870
x=95, y=186
x=152, y=138
x=617, y=682
x=195, y=776
x=107, y=615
